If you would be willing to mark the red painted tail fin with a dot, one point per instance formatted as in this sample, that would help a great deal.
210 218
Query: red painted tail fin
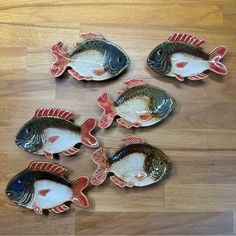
215 64
86 138
99 176
78 197
108 111
59 66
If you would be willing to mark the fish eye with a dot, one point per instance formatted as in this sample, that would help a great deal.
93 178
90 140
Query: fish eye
119 59
159 52
28 130
161 163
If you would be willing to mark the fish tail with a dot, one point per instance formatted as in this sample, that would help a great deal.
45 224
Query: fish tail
215 64
99 176
59 66
87 138
77 187
109 111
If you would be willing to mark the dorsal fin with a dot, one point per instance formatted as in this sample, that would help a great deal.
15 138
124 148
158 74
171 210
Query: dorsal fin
53 112
134 82
186 38
47 166
132 139
91 35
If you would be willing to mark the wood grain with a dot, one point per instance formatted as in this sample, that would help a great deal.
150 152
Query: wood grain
198 197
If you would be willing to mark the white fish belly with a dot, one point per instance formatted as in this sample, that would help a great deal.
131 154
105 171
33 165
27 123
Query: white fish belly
195 65
127 167
88 61
57 194
131 109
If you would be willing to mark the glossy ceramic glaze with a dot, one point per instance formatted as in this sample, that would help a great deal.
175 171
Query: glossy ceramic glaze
93 59
134 164
52 132
43 187
140 105
182 57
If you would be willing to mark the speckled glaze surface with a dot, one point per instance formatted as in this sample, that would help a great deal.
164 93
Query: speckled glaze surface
94 59
43 187
53 133
181 56
140 105
134 164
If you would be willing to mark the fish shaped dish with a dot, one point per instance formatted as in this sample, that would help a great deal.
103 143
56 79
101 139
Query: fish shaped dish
52 132
134 164
93 59
182 57
43 187
140 105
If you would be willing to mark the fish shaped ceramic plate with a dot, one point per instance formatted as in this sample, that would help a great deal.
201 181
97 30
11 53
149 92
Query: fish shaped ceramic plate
52 132
134 164
182 57
43 187
140 105
93 59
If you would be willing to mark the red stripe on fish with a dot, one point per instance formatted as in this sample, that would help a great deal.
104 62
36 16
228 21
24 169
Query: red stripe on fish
60 209
145 117
99 72
132 139
91 35
120 182
43 192
53 139
127 124
37 209
179 77
70 152
198 76
181 64
86 137
134 82
78 76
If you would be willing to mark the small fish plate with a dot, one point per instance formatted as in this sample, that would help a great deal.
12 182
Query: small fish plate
140 105
94 59
43 187
52 132
134 164
182 57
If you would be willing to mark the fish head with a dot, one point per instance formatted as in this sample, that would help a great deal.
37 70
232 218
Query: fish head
29 136
20 189
159 58
116 61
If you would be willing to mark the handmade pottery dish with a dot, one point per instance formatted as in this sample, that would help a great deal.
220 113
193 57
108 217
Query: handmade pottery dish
52 132
140 105
93 59
182 57
134 164
43 187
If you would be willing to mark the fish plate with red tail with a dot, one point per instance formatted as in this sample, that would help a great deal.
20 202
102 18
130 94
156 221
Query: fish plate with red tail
182 57
52 132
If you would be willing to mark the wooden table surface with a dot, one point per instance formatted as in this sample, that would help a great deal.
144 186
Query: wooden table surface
199 197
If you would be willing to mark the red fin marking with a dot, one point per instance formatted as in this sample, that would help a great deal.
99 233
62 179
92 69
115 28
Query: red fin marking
53 139
43 192
59 66
127 124
120 182
60 209
198 76
99 158
86 128
140 176
145 117
185 38
91 35
37 210
48 155
99 72
109 111
215 64
134 82
47 166
179 77
78 76
119 92
77 187
132 139
69 152
181 64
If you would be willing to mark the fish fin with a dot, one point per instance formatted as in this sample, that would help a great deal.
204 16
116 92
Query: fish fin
53 139
198 76
69 152
115 149
109 111
127 124
78 76
119 92
59 66
99 157
77 187
59 209
47 166
215 64
121 183
86 137
132 139
179 77
54 112
37 209
145 117
99 72
140 175
91 35
181 64
134 82
186 38
48 155
43 192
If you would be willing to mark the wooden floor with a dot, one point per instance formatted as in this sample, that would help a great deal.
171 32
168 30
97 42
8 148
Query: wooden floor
199 197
